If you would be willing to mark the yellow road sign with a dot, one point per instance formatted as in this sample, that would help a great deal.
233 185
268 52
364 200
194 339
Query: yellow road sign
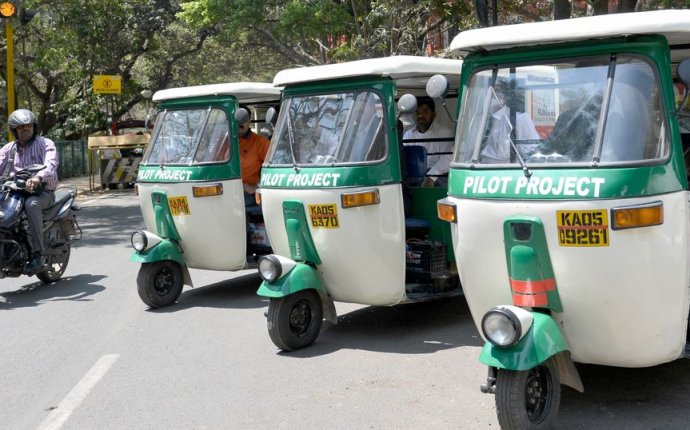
107 84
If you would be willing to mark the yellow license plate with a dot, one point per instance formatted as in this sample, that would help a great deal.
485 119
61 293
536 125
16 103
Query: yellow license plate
324 216
583 228
179 205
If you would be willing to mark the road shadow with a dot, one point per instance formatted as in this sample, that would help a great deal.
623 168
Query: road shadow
620 398
72 288
109 225
235 293
413 328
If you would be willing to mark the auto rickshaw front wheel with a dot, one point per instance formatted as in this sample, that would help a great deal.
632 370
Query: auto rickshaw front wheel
294 321
528 399
160 283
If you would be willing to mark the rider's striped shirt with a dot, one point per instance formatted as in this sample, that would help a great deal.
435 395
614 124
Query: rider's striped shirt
39 151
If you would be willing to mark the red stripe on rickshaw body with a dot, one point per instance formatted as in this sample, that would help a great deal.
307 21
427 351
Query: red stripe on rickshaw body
532 286
530 300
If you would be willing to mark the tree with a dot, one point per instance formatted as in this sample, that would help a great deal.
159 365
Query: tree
61 51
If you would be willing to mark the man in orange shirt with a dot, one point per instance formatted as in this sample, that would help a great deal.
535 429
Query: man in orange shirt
253 149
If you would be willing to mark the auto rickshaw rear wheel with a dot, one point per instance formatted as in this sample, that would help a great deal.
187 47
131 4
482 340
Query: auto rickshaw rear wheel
159 284
528 399
294 321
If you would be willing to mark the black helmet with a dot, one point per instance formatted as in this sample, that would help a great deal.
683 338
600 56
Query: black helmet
22 117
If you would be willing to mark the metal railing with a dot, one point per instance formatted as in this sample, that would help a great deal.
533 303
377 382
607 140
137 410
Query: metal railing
73 158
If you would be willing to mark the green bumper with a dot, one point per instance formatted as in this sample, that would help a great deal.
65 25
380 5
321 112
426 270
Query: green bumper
301 277
164 250
541 342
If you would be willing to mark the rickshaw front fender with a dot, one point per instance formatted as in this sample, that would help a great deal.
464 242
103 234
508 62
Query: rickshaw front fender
542 341
301 277
163 250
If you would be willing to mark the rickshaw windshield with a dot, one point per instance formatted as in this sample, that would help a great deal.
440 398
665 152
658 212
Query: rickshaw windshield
587 111
189 136
329 129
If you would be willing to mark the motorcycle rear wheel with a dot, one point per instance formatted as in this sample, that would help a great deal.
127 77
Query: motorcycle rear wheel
57 263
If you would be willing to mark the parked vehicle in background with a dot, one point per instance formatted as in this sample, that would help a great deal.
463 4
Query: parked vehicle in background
190 189
120 153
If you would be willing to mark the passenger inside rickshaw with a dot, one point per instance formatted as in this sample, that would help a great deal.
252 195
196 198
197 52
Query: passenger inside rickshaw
435 133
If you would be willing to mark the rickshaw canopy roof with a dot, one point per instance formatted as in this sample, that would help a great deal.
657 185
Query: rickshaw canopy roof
246 92
673 24
409 71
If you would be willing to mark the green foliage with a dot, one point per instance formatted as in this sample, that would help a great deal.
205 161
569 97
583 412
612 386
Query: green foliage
156 44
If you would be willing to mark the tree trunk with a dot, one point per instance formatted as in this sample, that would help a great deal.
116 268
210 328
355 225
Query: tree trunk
627 5
561 9
600 7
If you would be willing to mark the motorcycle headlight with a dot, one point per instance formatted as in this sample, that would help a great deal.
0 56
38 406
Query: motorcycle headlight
139 241
504 326
272 267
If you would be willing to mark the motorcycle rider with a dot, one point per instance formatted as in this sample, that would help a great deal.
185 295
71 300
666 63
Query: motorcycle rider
30 148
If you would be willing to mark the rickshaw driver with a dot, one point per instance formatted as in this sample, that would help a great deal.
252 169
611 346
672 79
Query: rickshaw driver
426 127
253 150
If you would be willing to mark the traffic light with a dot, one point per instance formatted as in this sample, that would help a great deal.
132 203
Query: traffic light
26 15
8 9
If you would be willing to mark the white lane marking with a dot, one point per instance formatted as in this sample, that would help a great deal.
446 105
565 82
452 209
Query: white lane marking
74 398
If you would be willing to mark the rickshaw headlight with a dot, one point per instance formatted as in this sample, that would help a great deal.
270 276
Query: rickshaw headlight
139 241
143 240
272 267
504 326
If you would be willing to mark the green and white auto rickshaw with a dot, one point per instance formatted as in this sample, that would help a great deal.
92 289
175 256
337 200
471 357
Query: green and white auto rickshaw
568 201
332 192
190 188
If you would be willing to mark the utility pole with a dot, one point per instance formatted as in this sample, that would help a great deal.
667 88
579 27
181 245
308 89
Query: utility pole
8 10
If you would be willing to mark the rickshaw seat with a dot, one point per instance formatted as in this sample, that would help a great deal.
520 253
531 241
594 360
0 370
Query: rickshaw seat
415 156
253 210
420 223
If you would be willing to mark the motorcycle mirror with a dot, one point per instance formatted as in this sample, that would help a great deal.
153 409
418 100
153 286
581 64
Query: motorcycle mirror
437 87
407 104
271 116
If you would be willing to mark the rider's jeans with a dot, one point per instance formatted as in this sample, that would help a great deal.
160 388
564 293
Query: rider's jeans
34 207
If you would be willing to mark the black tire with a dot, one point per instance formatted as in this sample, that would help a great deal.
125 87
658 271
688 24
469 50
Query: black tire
295 321
57 263
160 284
528 399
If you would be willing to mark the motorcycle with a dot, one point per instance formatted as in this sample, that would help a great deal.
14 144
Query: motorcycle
60 228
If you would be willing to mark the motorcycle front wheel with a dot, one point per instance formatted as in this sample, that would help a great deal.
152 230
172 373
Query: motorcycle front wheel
56 261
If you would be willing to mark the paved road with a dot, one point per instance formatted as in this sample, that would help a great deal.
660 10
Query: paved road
86 353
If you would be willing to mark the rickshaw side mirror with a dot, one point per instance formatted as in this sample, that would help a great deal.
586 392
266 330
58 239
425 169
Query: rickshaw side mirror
437 87
684 76
242 116
271 115
407 104
684 72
